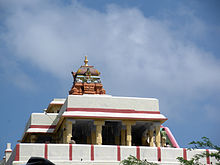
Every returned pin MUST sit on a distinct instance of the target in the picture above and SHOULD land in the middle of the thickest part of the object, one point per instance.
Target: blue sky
(161, 48)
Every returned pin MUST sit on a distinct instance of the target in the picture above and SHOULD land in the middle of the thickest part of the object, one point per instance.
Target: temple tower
(86, 80)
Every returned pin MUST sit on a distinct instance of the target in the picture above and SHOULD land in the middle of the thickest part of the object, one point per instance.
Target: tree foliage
(205, 143)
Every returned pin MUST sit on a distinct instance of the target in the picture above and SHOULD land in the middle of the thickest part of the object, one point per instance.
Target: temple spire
(86, 61)
(86, 81)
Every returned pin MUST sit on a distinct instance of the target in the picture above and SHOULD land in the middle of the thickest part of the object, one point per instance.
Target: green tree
(205, 143)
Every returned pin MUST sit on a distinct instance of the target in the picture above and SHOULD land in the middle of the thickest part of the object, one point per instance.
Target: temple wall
(170, 154)
(101, 154)
(41, 119)
(109, 102)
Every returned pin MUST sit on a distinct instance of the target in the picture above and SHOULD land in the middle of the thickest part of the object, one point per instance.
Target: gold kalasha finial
(86, 61)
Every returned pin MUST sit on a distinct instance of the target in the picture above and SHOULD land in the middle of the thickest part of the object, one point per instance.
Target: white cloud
(136, 54)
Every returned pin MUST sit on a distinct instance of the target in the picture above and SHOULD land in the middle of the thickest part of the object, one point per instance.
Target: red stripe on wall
(43, 126)
(70, 152)
(118, 153)
(111, 110)
(46, 151)
(108, 117)
(138, 152)
(207, 157)
(159, 154)
(17, 152)
(184, 154)
(92, 152)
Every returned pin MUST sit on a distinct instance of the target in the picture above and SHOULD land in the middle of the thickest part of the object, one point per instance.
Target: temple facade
(89, 116)
(91, 127)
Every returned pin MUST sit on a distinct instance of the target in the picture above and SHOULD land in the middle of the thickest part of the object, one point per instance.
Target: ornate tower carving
(86, 81)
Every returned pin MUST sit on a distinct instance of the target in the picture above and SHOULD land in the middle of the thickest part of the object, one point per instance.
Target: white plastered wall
(105, 153)
(44, 118)
(30, 150)
(58, 153)
(148, 153)
(107, 101)
(170, 154)
(41, 119)
(61, 154)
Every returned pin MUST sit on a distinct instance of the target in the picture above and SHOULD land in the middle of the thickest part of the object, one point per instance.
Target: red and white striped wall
(103, 153)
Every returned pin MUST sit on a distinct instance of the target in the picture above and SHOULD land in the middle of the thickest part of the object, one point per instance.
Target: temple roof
(96, 107)
(83, 70)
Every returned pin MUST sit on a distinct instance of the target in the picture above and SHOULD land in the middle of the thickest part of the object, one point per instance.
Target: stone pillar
(33, 138)
(128, 136)
(8, 152)
(151, 139)
(69, 126)
(123, 137)
(128, 125)
(67, 130)
(158, 135)
(99, 124)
